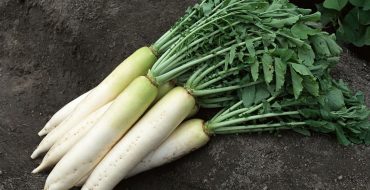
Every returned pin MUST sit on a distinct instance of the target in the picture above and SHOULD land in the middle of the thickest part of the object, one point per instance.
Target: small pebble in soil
(340, 177)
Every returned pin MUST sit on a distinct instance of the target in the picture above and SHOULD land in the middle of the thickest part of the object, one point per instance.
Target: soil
(52, 51)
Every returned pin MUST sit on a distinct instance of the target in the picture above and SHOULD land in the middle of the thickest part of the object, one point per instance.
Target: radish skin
(188, 137)
(135, 65)
(64, 144)
(193, 111)
(121, 115)
(145, 136)
(62, 114)
(177, 140)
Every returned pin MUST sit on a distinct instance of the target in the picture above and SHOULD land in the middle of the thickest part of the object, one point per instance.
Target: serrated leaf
(301, 69)
(261, 93)
(335, 4)
(255, 70)
(297, 83)
(306, 54)
(311, 85)
(268, 67)
(280, 70)
(232, 54)
(249, 95)
(250, 47)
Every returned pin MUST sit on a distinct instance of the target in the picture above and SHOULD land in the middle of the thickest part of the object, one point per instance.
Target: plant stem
(252, 128)
(222, 89)
(205, 73)
(223, 75)
(248, 110)
(216, 100)
(254, 117)
(169, 75)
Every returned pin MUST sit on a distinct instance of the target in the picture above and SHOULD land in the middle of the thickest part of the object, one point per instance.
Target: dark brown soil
(52, 51)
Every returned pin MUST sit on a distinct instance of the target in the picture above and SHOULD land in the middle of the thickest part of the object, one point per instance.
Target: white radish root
(62, 114)
(135, 65)
(117, 120)
(145, 136)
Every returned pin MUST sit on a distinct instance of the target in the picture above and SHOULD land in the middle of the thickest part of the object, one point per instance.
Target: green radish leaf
(279, 23)
(320, 46)
(310, 113)
(268, 68)
(280, 70)
(261, 93)
(335, 99)
(302, 31)
(207, 8)
(255, 70)
(249, 95)
(284, 53)
(274, 6)
(341, 136)
(301, 69)
(334, 48)
(315, 17)
(335, 4)
(311, 85)
(297, 83)
(306, 54)
(321, 126)
(250, 47)
(302, 131)
(232, 54)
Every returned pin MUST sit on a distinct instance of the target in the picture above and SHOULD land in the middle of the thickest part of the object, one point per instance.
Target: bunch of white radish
(131, 122)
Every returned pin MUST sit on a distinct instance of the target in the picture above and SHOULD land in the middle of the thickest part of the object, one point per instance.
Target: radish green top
(335, 110)
(253, 36)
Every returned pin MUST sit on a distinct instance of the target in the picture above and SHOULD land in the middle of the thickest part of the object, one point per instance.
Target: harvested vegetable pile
(265, 64)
